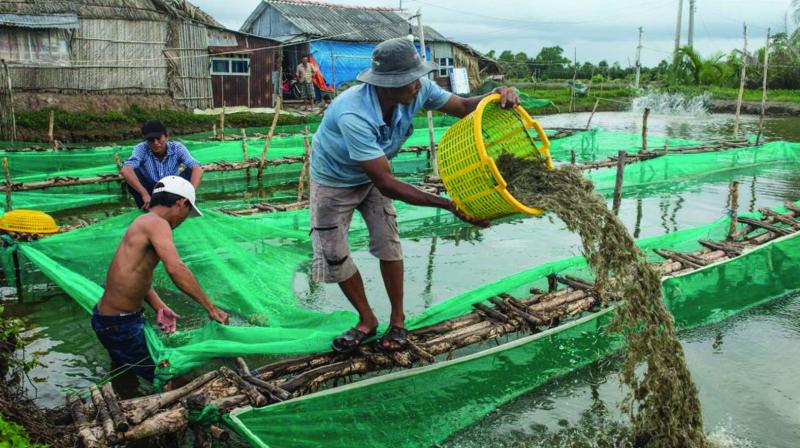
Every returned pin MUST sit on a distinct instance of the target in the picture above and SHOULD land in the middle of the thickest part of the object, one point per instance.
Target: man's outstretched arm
(160, 235)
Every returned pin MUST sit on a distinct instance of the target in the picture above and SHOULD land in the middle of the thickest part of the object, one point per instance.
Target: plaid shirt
(176, 160)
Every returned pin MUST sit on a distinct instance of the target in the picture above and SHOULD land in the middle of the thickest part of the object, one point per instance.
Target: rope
(114, 373)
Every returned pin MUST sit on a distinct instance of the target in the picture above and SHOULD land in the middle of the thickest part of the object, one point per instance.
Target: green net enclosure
(247, 264)
(426, 405)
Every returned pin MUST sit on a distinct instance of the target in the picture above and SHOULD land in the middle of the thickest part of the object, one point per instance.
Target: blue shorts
(123, 337)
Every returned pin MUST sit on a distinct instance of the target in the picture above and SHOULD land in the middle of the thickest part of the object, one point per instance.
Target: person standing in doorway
(305, 80)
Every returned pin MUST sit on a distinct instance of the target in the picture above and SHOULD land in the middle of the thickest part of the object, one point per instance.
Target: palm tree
(691, 65)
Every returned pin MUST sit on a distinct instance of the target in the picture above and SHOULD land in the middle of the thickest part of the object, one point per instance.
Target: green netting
(424, 406)
(590, 146)
(439, 120)
(247, 264)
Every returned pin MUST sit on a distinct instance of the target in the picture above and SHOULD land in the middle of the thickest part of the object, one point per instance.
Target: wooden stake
(742, 81)
(103, 416)
(244, 144)
(50, 125)
(644, 128)
(120, 424)
(618, 185)
(306, 159)
(594, 108)
(8, 185)
(734, 208)
(763, 90)
(82, 422)
(214, 130)
(222, 123)
(572, 156)
(219, 433)
(116, 160)
(574, 79)
(269, 138)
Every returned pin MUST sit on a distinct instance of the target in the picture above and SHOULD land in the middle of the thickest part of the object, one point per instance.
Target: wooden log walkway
(66, 181)
(104, 420)
(647, 155)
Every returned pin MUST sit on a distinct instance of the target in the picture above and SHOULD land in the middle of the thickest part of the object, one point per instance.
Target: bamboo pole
(644, 129)
(621, 156)
(8, 185)
(244, 145)
(214, 131)
(269, 138)
(50, 125)
(306, 159)
(10, 100)
(117, 161)
(734, 208)
(763, 90)
(222, 123)
(743, 79)
(594, 109)
(574, 79)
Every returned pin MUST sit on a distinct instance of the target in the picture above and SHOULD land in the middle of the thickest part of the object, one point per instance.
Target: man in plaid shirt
(154, 159)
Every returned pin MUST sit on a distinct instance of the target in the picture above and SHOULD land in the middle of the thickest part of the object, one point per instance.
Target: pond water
(744, 367)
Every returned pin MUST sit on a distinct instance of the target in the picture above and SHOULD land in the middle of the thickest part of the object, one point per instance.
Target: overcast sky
(597, 29)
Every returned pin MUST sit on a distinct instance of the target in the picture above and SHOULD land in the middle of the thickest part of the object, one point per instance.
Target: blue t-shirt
(353, 131)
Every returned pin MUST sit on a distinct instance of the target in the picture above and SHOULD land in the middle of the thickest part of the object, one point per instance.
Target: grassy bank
(120, 126)
(730, 93)
(611, 99)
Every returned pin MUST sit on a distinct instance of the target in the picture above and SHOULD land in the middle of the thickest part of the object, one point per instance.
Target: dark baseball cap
(153, 129)
(395, 63)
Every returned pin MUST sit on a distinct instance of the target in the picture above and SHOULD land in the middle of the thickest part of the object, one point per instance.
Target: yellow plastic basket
(28, 221)
(467, 152)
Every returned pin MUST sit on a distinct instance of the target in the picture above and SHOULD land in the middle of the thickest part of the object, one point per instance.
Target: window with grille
(445, 64)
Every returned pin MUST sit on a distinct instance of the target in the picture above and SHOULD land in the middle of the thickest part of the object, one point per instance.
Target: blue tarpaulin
(347, 58)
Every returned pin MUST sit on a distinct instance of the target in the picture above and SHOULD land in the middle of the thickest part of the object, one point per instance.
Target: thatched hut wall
(107, 56)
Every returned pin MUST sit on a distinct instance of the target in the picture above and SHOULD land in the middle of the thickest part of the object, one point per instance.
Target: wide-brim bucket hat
(395, 63)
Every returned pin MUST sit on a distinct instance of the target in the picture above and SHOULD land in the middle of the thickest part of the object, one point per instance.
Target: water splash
(673, 103)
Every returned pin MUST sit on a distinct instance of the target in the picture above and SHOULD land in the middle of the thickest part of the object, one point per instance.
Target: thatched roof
(340, 22)
(159, 10)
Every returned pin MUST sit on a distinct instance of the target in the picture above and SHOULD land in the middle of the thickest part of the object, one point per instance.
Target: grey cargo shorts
(331, 214)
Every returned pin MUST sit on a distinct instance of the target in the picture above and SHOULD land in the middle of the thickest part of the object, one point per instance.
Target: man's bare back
(130, 275)
(146, 242)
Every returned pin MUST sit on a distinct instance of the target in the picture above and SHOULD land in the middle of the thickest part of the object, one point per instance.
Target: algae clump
(662, 400)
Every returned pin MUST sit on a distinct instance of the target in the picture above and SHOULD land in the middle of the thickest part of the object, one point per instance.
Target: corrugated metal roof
(61, 21)
(348, 23)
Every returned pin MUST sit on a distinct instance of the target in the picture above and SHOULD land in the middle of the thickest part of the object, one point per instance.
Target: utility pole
(692, 7)
(639, 58)
(432, 151)
(678, 29)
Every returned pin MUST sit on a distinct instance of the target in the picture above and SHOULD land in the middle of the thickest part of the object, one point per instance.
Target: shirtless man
(118, 318)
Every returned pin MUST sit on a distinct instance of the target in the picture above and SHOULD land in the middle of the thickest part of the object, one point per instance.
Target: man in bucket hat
(362, 129)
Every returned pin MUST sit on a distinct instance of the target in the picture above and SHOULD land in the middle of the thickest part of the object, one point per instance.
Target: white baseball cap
(181, 187)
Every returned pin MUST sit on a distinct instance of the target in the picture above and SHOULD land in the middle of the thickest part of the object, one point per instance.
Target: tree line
(688, 67)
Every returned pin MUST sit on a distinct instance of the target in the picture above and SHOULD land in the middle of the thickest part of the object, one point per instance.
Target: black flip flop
(351, 339)
(396, 335)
